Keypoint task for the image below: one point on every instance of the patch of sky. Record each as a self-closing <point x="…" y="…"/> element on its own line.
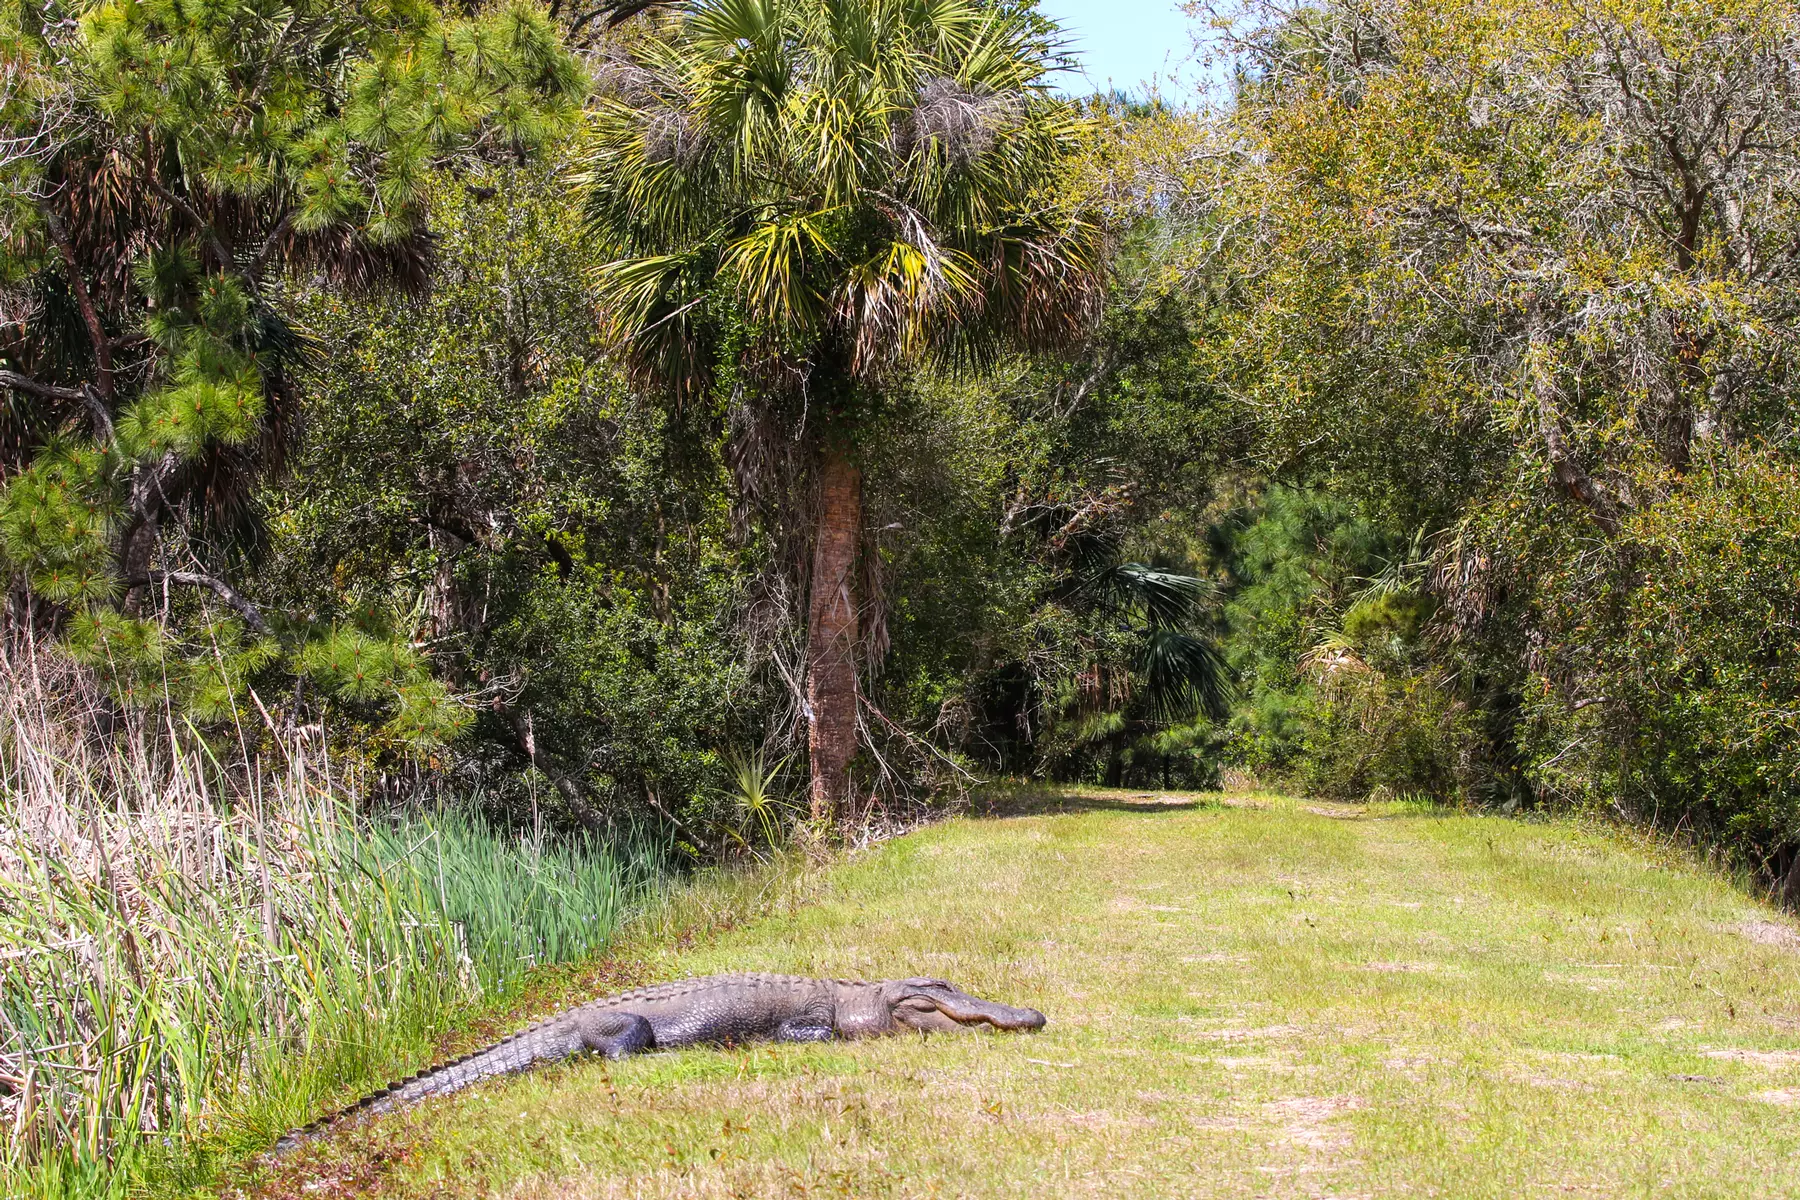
<point x="1136" y="47"/>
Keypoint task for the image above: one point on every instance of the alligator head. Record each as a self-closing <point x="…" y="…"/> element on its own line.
<point x="934" y="1006"/>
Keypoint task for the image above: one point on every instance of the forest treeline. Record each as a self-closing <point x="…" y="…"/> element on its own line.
<point x="584" y="413"/>
<point x="457" y="461"/>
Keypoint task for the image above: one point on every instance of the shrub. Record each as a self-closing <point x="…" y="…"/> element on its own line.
<point x="1669" y="688"/>
<point x="1407" y="733"/>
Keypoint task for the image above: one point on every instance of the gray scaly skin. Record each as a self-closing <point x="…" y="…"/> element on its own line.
<point x="713" y="1009"/>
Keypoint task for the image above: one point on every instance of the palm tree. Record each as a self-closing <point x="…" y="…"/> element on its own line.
<point x="1156" y="684"/>
<point x="1181" y="671"/>
<point x="807" y="198"/>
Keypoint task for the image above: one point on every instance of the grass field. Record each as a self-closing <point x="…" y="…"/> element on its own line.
<point x="1259" y="998"/>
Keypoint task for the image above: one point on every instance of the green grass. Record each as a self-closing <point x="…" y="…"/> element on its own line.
<point x="1255" y="999"/>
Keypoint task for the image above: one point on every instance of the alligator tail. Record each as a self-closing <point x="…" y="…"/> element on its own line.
<point x="542" y="1042"/>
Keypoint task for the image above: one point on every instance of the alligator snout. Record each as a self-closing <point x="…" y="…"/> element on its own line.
<point x="972" y="1010"/>
<point x="1000" y="1016"/>
<point x="1021" y="1018"/>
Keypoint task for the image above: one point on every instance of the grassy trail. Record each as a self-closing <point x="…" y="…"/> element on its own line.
<point x="1262" y="999"/>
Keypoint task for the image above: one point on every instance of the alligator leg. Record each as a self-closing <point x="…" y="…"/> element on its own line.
<point x="615" y="1034"/>
<point x="803" y="1029"/>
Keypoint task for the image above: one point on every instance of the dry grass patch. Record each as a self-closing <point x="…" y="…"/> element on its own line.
<point x="1771" y="933"/>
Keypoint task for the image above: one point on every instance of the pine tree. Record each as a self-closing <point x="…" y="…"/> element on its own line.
<point x="167" y="167"/>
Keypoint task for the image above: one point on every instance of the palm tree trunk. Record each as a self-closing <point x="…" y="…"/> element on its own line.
<point x="831" y="633"/>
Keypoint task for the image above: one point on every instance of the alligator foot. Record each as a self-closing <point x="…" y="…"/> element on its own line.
<point x="615" y="1034"/>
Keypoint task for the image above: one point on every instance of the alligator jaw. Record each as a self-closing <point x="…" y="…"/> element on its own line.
<point x="1005" y="1016"/>
<point x="932" y="1005"/>
<point x="965" y="1009"/>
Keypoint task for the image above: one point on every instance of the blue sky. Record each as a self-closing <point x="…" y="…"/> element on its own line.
<point x="1128" y="42"/>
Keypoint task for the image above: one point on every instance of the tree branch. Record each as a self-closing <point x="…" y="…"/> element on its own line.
<point x="254" y="270"/>
<point x="89" y="315"/>
<point x="45" y="391"/>
<point x="207" y="229"/>
<point x="231" y="596"/>
<point x="103" y="423"/>
<point x="147" y="485"/>
<point x="1789" y="886"/>
<point x="144" y="503"/>
<point x="1563" y="464"/>
<point x="520" y="720"/>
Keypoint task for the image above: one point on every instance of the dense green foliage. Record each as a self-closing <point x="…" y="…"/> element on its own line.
<point x="1430" y="439"/>
<point x="801" y="388"/>
<point x="163" y="164"/>
<point x="1542" y="315"/>
<point x="559" y="544"/>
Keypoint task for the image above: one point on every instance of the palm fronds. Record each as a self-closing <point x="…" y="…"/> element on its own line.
<point x="1175" y="671"/>
<point x="1184" y="675"/>
<point x="764" y="814"/>
<point x="863" y="181"/>
<point x="1164" y="599"/>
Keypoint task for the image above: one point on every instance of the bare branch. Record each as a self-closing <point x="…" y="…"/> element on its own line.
<point x="206" y="227"/>
<point x="1563" y="463"/>
<point x="560" y="778"/>
<point x="83" y="299"/>
<point x="103" y="424"/>
<point x="231" y="596"/>
<point x="147" y="485"/>
<point x="257" y="260"/>
<point x="46" y="391"/>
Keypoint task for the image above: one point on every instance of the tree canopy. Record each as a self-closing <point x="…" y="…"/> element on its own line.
<point x="800" y="381"/>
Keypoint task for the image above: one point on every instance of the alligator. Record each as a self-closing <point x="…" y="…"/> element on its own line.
<point x="714" y="1009"/>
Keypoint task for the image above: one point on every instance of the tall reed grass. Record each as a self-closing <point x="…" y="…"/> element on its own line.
<point x="197" y="955"/>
